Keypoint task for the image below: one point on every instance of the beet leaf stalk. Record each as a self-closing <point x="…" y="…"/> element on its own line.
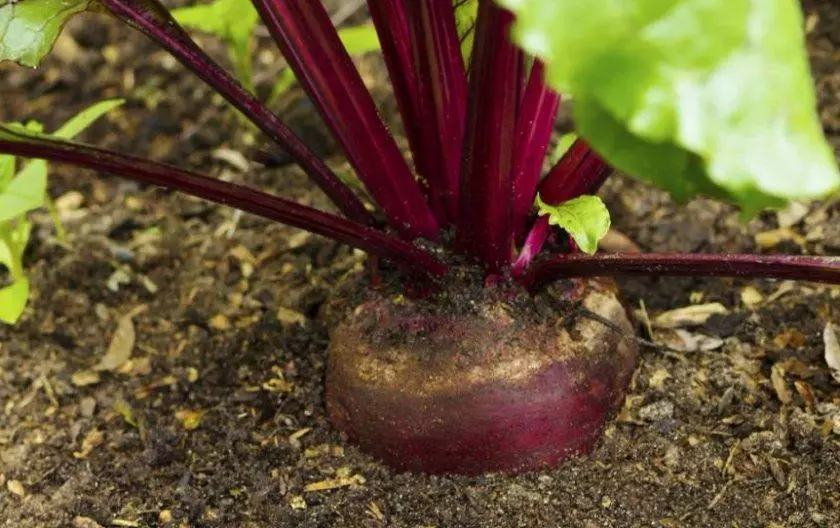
<point x="311" y="45"/>
<point x="390" y="18"/>
<point x="533" y="134"/>
<point x="154" y="20"/>
<point x="443" y="81"/>
<point x="580" y="171"/>
<point x="794" y="267"/>
<point x="485" y="227"/>
<point x="249" y="200"/>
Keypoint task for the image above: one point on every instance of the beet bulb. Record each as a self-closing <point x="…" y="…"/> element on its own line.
<point x="488" y="385"/>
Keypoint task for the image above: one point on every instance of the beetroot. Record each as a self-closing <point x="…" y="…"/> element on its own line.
<point x="487" y="388"/>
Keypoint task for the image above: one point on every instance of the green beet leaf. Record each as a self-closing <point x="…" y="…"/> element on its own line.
<point x="29" y="28"/>
<point x="585" y="218"/>
<point x="28" y="190"/>
<point x="14" y="236"/>
<point x="7" y="170"/>
<point x="13" y="301"/>
<point x="708" y="97"/>
<point x="359" y="39"/>
<point x="466" y="12"/>
<point x="85" y="118"/>
<point x="233" y="21"/>
<point x="24" y="192"/>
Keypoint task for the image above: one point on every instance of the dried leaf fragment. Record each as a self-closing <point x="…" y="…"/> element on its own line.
<point x="777" y="378"/>
<point x="693" y="315"/>
<point x="15" y="487"/>
<point x="122" y="343"/>
<point x="190" y="420"/>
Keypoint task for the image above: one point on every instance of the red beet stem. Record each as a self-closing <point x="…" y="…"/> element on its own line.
<point x="485" y="228"/>
<point x="390" y="17"/>
<point x="533" y="135"/>
<point x="154" y="20"/>
<point x="443" y="93"/>
<point x="816" y="269"/>
<point x="580" y="171"/>
<point x="241" y="197"/>
<point x="311" y="45"/>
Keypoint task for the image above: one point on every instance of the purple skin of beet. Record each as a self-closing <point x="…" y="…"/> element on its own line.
<point x="479" y="392"/>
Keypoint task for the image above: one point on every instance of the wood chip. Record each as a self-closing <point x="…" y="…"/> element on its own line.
<point x="289" y="317"/>
<point x="777" y="378"/>
<point x="117" y="279"/>
<point x="294" y="438"/>
<point x="278" y="385"/>
<point x="85" y="377"/>
<point x="806" y="392"/>
<point x="93" y="439"/>
<point x="693" y="315"/>
<point x="751" y="297"/>
<point x="330" y="484"/>
<point x="832" y="350"/>
<point x="242" y="254"/>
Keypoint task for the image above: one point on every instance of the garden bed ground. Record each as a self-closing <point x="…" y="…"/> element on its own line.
<point x="218" y="419"/>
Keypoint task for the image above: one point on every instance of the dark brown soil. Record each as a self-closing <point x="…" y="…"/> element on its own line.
<point x="218" y="417"/>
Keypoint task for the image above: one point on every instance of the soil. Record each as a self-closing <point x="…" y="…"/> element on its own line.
<point x="217" y="417"/>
